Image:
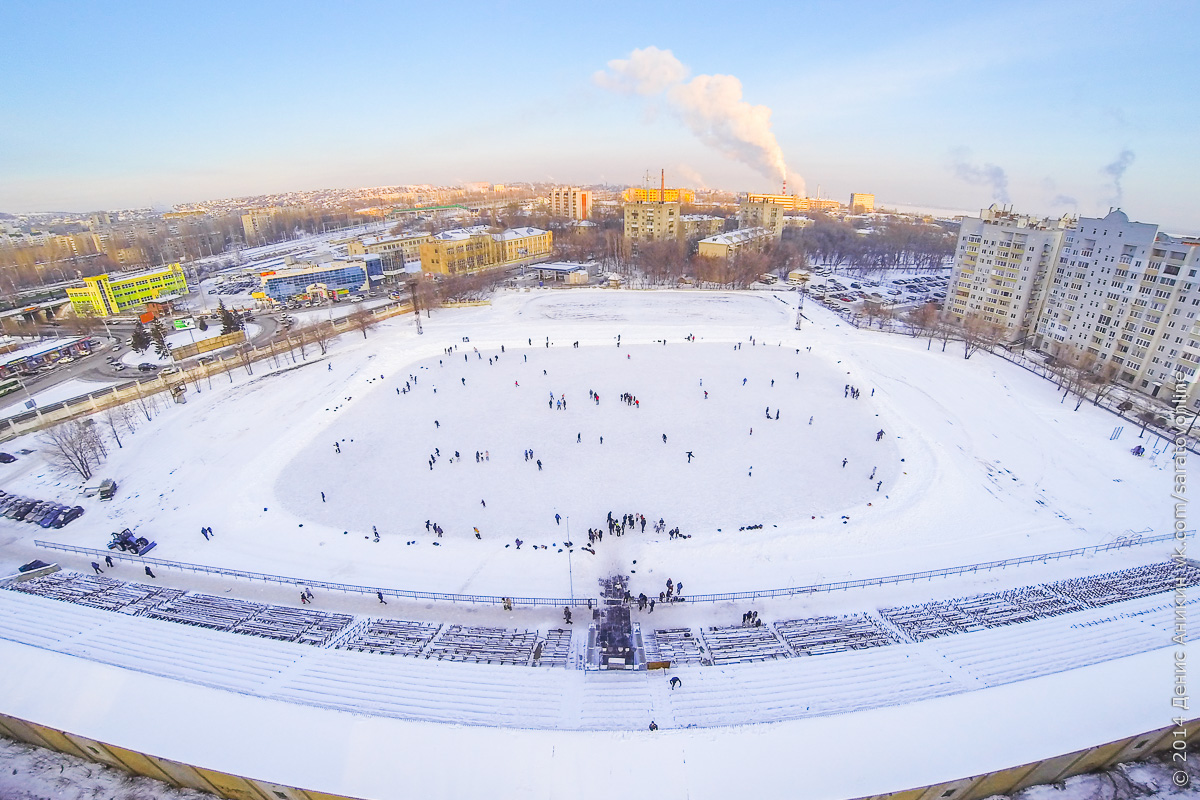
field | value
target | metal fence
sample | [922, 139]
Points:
[1129, 540]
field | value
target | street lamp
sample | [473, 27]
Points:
[570, 549]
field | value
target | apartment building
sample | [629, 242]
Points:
[1128, 295]
[791, 202]
[651, 221]
[701, 225]
[728, 245]
[1003, 265]
[256, 220]
[762, 214]
[571, 202]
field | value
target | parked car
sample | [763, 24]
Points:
[5, 458]
[48, 518]
[66, 516]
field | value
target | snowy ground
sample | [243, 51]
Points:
[15, 402]
[979, 460]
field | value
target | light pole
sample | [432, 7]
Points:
[570, 549]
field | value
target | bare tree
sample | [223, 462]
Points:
[978, 334]
[362, 319]
[924, 321]
[322, 334]
[115, 420]
[74, 448]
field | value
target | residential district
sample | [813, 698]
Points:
[1115, 298]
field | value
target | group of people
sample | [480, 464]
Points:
[750, 620]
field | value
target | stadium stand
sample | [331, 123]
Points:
[736, 644]
[822, 635]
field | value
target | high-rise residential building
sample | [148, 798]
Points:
[861, 203]
[1128, 295]
[256, 220]
[1003, 264]
[728, 245]
[571, 202]
[651, 221]
[761, 214]
[659, 196]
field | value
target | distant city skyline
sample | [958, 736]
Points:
[1050, 107]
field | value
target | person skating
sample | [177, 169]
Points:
[322, 497]
[96, 567]
[689, 455]
[844, 460]
[539, 463]
[557, 519]
[204, 533]
[675, 683]
[337, 448]
[879, 435]
[878, 484]
[149, 574]
[664, 438]
[477, 535]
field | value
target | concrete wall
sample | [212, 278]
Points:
[236, 787]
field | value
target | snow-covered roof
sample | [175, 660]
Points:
[699, 218]
[562, 266]
[461, 234]
[517, 233]
[739, 236]
[40, 349]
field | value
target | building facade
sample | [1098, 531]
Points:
[333, 277]
[1003, 263]
[256, 221]
[396, 251]
[1128, 295]
[651, 221]
[659, 196]
[761, 214]
[469, 250]
[699, 225]
[571, 202]
[861, 203]
[110, 294]
[728, 245]
[791, 202]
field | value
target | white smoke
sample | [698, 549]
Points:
[710, 105]
[988, 175]
[1115, 172]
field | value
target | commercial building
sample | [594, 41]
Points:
[702, 225]
[476, 249]
[791, 202]
[659, 196]
[862, 203]
[109, 294]
[1002, 265]
[322, 275]
[728, 245]
[396, 250]
[761, 214]
[651, 221]
[571, 202]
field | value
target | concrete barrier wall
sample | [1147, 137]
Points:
[236, 787]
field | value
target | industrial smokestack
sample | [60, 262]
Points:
[662, 192]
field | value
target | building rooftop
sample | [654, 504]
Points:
[517, 233]
[739, 236]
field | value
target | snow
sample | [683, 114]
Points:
[62, 391]
[979, 461]
[179, 339]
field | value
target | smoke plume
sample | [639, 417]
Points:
[710, 105]
[1115, 172]
[988, 175]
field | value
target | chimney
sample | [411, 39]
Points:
[662, 192]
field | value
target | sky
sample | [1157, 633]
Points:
[1053, 107]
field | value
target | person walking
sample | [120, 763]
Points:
[557, 519]
[878, 484]
[96, 567]
[322, 497]
[108, 561]
[675, 683]
[380, 596]
[149, 574]
[844, 460]
[567, 615]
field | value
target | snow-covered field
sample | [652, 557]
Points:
[179, 339]
[978, 461]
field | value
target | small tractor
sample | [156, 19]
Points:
[127, 541]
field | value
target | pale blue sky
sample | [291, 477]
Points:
[931, 104]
